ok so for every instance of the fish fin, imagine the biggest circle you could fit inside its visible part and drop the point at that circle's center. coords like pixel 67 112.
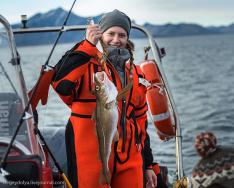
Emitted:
pixel 99 156
pixel 94 115
pixel 116 136
pixel 119 146
pixel 105 179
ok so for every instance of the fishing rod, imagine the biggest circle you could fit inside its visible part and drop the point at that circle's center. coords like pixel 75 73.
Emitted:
pixel 25 114
pixel 60 33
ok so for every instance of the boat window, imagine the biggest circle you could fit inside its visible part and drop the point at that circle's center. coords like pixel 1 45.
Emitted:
pixel 11 96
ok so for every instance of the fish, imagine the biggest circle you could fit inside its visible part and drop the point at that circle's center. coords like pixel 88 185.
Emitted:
pixel 106 118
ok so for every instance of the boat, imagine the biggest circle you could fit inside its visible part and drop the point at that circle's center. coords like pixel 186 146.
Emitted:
pixel 28 159
pixel 23 153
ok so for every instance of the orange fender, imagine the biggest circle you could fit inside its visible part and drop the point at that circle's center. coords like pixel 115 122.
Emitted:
pixel 157 100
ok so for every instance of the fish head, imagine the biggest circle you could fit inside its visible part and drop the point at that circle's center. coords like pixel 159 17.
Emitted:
pixel 99 82
pixel 105 90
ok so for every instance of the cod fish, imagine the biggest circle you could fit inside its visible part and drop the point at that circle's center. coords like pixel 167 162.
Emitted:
pixel 106 117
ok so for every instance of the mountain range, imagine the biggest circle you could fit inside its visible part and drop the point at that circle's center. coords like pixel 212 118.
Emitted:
pixel 57 16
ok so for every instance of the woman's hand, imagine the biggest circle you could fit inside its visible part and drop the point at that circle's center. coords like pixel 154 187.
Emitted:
pixel 151 179
pixel 93 33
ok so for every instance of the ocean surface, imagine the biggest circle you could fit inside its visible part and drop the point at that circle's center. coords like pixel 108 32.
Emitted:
pixel 200 73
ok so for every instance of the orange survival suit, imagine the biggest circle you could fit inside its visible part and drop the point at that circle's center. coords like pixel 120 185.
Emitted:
pixel 132 153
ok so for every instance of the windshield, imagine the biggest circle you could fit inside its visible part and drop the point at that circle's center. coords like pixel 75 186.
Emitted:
pixel 13 97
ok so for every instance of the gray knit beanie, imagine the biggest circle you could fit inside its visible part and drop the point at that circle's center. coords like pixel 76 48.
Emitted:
pixel 115 18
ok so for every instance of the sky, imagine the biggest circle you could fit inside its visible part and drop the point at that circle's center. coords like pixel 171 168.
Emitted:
pixel 203 12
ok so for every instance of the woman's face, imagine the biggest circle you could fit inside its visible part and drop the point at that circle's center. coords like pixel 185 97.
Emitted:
pixel 115 37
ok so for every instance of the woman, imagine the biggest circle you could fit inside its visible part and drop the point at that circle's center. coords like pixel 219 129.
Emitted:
pixel 131 156
pixel 215 168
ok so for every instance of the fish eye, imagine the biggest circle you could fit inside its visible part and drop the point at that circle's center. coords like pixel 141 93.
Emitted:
pixel 97 88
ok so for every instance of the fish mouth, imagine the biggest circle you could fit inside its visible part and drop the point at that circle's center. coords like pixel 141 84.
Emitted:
pixel 100 77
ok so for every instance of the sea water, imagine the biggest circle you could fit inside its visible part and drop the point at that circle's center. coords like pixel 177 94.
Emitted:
pixel 200 73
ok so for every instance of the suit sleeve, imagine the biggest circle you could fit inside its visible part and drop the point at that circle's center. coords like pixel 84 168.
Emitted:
pixel 141 118
pixel 147 152
pixel 70 68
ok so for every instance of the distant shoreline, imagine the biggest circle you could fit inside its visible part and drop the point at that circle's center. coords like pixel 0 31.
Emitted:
pixel 142 38
pixel 56 17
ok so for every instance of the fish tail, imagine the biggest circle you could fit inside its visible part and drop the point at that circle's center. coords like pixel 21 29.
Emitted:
pixel 105 178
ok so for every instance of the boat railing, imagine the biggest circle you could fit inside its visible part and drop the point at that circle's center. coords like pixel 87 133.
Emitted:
pixel 17 145
pixel 15 64
pixel 156 55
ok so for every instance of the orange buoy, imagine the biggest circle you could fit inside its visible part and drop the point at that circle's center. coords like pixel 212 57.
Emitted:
pixel 157 100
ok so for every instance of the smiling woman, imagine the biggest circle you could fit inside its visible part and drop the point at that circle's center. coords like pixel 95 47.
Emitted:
pixel 115 37
pixel 130 155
